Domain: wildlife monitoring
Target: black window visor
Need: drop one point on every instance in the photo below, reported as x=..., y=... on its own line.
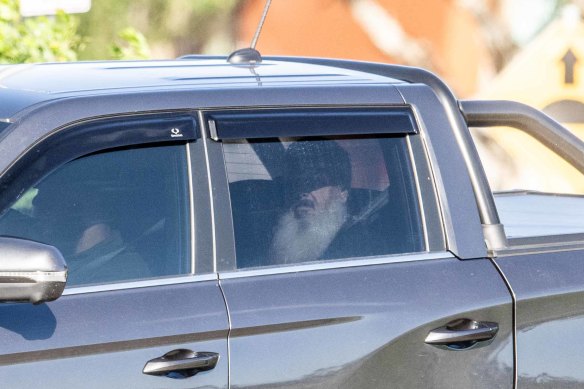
x=270, y=123
x=75, y=141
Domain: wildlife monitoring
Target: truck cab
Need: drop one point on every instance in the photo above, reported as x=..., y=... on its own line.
x=292, y=222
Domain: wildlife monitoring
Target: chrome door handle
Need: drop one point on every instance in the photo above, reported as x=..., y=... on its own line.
x=181, y=363
x=461, y=334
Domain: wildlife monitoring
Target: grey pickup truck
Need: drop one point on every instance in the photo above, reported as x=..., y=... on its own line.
x=279, y=223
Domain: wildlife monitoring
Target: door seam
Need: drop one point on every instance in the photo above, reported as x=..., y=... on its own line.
x=229, y=328
x=513, y=319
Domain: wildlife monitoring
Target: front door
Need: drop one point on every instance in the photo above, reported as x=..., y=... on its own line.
x=135, y=314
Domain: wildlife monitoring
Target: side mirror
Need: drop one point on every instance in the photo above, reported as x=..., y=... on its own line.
x=30, y=271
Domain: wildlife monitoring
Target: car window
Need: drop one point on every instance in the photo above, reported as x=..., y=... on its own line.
x=115, y=215
x=297, y=200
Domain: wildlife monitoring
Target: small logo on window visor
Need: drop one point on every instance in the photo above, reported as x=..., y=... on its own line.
x=175, y=133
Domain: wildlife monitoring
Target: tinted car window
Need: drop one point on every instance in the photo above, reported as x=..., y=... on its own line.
x=115, y=215
x=301, y=200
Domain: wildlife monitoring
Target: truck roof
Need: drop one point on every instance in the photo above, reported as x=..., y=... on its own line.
x=26, y=84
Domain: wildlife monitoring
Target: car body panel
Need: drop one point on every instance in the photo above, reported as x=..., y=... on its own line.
x=462, y=224
x=28, y=84
x=536, y=214
x=104, y=339
x=550, y=317
x=364, y=326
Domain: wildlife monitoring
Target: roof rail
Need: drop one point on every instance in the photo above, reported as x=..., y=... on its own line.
x=202, y=57
x=245, y=56
x=548, y=131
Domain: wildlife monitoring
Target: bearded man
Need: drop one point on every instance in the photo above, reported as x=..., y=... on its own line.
x=317, y=177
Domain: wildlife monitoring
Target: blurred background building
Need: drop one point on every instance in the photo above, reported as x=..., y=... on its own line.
x=530, y=51
x=526, y=50
x=446, y=36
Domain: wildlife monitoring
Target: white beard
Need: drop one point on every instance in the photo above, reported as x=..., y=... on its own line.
x=298, y=240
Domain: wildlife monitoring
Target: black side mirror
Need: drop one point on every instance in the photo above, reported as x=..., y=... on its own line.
x=30, y=271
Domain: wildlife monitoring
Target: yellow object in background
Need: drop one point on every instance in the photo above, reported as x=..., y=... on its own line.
x=549, y=75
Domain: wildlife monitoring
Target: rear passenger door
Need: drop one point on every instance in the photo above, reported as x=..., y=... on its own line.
x=118, y=197
x=333, y=259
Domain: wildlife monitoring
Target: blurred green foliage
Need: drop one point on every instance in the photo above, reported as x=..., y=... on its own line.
x=57, y=38
x=131, y=45
x=39, y=39
x=171, y=28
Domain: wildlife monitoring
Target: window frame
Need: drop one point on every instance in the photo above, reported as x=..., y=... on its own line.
x=426, y=195
x=140, y=130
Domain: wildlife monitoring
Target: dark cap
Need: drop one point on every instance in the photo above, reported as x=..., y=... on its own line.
x=314, y=163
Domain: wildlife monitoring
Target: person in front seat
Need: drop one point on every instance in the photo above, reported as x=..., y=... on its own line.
x=78, y=220
x=317, y=179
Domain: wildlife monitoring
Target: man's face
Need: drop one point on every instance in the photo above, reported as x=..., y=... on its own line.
x=318, y=201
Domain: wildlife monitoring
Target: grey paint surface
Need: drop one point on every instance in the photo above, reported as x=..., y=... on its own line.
x=532, y=214
x=104, y=339
x=462, y=223
x=25, y=85
x=549, y=289
x=364, y=327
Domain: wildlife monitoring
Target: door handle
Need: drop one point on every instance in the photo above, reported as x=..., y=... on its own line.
x=462, y=334
x=181, y=363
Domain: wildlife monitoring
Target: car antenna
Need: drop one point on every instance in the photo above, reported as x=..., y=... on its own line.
x=250, y=55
